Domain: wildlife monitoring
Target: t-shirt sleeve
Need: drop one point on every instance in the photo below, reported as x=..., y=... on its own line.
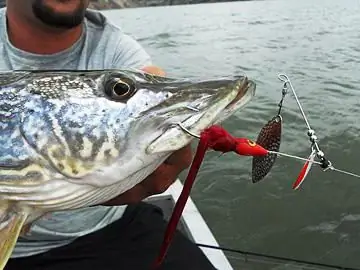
x=130, y=54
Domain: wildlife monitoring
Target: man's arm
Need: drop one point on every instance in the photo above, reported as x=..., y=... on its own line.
x=166, y=174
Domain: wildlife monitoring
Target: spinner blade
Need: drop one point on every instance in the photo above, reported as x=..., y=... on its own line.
x=269, y=138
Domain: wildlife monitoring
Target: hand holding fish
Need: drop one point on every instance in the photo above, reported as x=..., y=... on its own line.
x=89, y=136
x=159, y=181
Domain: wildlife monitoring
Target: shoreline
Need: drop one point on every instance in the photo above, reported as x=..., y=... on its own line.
x=120, y=4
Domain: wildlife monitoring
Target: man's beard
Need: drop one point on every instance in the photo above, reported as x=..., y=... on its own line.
x=59, y=20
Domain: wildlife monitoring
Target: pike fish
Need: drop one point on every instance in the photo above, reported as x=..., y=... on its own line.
x=72, y=139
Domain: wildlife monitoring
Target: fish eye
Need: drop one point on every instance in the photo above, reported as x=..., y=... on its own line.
x=119, y=88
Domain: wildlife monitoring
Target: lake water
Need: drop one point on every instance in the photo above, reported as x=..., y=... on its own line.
x=317, y=44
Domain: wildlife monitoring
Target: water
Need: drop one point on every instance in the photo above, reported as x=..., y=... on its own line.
x=317, y=44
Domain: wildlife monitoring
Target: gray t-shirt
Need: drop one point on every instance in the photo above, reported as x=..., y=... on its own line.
x=101, y=46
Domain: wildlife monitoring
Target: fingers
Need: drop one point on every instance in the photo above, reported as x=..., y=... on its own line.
x=167, y=173
x=154, y=70
x=160, y=180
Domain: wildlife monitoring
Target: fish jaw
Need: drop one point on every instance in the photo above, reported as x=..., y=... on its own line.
x=175, y=137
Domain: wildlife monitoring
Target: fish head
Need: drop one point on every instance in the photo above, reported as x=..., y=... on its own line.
x=92, y=124
x=193, y=105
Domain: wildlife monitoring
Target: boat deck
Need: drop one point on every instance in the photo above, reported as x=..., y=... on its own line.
x=192, y=224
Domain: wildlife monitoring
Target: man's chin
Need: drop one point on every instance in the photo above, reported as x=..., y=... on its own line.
x=56, y=14
x=63, y=22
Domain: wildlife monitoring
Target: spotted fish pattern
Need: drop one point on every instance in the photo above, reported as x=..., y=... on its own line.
x=93, y=129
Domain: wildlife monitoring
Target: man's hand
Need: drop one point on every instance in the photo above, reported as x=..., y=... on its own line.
x=163, y=177
x=154, y=70
x=159, y=181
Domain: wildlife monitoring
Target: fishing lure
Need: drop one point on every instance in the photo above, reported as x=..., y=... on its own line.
x=264, y=152
x=217, y=139
x=270, y=138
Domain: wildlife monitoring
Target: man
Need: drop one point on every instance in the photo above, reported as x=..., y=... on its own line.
x=62, y=34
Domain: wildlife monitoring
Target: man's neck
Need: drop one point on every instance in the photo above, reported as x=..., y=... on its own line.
x=39, y=39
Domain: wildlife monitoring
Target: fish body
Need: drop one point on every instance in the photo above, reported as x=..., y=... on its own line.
x=72, y=139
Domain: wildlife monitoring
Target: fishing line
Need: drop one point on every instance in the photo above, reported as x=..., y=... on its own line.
x=314, y=161
x=282, y=154
x=344, y=172
x=272, y=257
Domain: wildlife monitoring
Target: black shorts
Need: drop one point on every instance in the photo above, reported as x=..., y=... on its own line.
x=133, y=242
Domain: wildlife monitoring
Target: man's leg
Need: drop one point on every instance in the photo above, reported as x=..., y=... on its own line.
x=130, y=243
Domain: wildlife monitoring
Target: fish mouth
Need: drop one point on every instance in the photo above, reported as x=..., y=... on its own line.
x=242, y=90
x=245, y=92
x=175, y=137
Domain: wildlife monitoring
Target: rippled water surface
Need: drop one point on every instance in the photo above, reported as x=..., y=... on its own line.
x=317, y=43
